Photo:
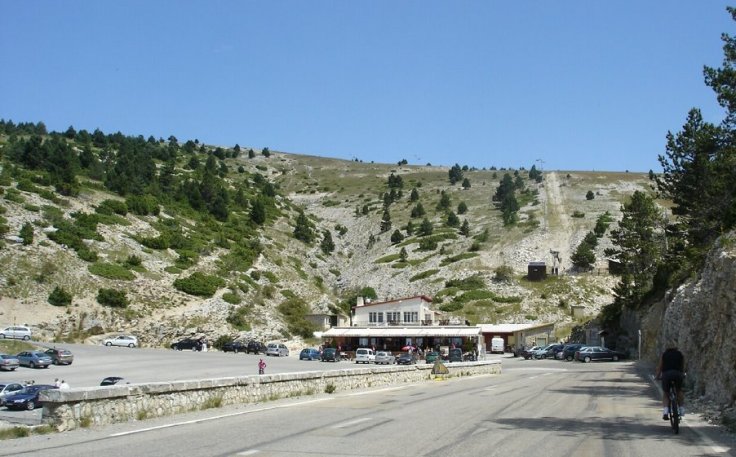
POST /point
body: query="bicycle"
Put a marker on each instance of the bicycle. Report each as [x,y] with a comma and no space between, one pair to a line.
[674,408]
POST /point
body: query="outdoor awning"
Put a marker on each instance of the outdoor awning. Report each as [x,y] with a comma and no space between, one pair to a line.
[398,332]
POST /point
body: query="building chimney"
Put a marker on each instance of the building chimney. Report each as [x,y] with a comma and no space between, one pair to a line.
[360,301]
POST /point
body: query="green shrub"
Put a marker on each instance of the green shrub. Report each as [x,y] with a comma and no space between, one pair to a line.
[475,295]
[113,206]
[111,271]
[388,258]
[232,298]
[459,257]
[423,275]
[451,307]
[112,297]
[199,284]
[469,283]
[238,318]
[133,261]
[578,214]
[503,273]
[60,297]
[294,310]
[142,205]
[271,277]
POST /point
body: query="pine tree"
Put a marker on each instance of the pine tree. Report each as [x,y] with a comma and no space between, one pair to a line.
[418,211]
[639,245]
[26,234]
[465,228]
[327,245]
[303,230]
[385,221]
[397,237]
[426,228]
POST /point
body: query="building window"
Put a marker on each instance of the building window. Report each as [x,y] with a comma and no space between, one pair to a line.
[375,318]
[411,316]
[393,316]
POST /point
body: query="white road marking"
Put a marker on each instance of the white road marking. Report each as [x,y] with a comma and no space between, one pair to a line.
[221,416]
[250,452]
[368,392]
[352,422]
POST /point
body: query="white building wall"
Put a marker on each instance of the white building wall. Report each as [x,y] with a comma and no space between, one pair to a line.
[414,304]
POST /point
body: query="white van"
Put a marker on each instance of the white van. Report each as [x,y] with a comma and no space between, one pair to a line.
[364,355]
[20,332]
[496,345]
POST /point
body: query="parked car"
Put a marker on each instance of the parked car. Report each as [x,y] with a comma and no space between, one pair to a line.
[529,353]
[407,358]
[20,332]
[431,356]
[129,341]
[330,355]
[364,355]
[548,352]
[9,388]
[309,354]
[235,346]
[455,355]
[187,343]
[112,380]
[591,353]
[34,359]
[277,349]
[28,398]
[60,356]
[256,347]
[9,362]
[384,357]
[568,352]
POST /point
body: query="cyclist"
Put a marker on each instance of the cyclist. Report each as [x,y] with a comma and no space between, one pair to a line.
[671,367]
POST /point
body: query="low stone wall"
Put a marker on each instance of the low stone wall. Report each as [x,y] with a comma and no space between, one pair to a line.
[94,406]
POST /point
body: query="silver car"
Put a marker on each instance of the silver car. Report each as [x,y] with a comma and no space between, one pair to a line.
[384,357]
[277,349]
[8,362]
[20,332]
[9,388]
[128,341]
[34,359]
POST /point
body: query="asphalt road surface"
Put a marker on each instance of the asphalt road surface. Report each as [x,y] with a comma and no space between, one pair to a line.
[544,407]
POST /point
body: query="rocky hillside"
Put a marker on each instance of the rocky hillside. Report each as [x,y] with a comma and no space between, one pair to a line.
[345,198]
[701,316]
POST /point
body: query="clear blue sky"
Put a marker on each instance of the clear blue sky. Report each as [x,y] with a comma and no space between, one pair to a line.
[580,85]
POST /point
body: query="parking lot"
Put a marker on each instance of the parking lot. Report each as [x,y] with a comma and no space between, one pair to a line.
[143,365]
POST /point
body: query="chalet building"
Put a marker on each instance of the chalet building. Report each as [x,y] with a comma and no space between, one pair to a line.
[395,324]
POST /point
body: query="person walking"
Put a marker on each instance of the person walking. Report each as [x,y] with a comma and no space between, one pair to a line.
[64,385]
[57,383]
[261,367]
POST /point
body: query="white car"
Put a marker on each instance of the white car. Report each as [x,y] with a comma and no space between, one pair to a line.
[20,332]
[364,355]
[277,349]
[384,357]
[122,340]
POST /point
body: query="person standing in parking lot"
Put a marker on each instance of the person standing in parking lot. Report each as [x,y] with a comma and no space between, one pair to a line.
[261,367]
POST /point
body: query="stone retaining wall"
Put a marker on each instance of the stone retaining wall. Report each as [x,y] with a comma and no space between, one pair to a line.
[94,406]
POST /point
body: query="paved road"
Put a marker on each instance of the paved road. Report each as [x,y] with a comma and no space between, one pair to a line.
[534,407]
